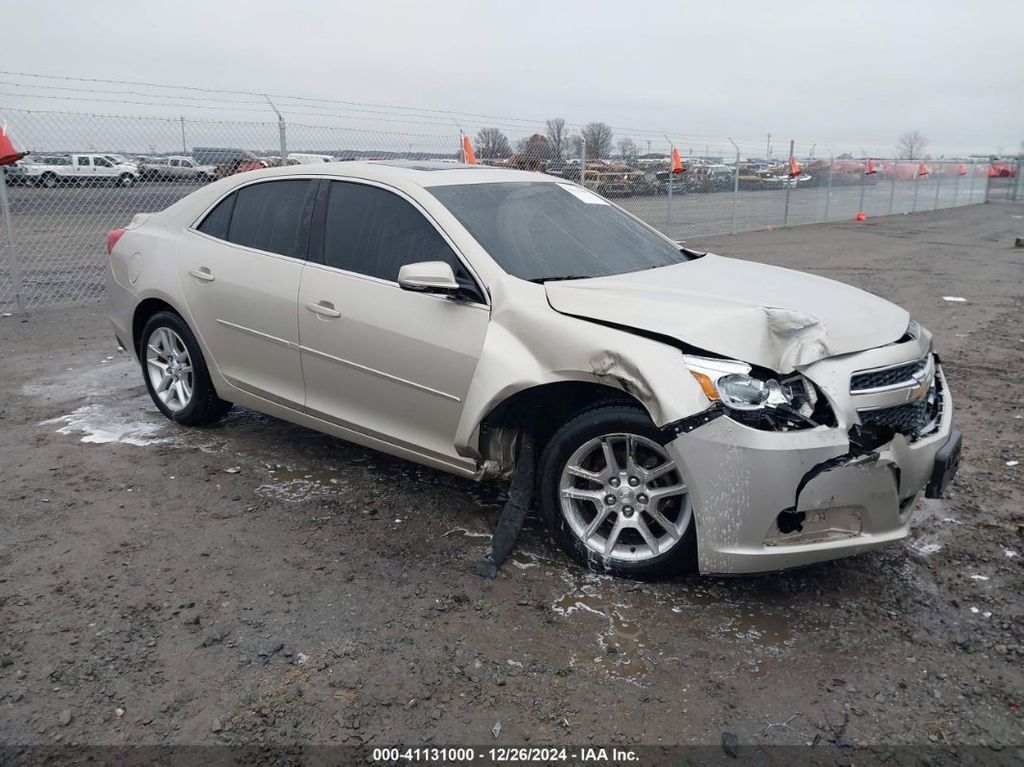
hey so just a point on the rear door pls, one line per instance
(388, 362)
(240, 271)
(83, 170)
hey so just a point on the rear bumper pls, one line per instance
(834, 502)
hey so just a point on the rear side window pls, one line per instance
(371, 231)
(272, 216)
(218, 220)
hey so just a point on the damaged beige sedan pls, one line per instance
(686, 410)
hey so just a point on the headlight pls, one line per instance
(734, 385)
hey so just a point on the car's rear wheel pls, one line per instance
(176, 374)
(48, 180)
(125, 179)
(613, 497)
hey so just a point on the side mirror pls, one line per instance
(428, 277)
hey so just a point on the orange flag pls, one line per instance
(963, 169)
(922, 170)
(677, 161)
(871, 167)
(794, 167)
(8, 154)
(467, 151)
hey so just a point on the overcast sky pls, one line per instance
(841, 75)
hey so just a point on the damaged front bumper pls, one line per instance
(769, 500)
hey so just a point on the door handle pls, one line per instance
(202, 273)
(324, 309)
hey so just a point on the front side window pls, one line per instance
(375, 232)
(175, 163)
(545, 231)
(83, 161)
(102, 163)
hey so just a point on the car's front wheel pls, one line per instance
(613, 497)
(176, 374)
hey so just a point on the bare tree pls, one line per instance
(491, 144)
(628, 149)
(597, 138)
(534, 152)
(911, 145)
(574, 145)
(556, 136)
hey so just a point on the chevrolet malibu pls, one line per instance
(689, 411)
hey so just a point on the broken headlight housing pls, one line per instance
(760, 399)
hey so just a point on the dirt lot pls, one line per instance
(259, 583)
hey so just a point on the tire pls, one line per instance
(570, 518)
(125, 179)
(164, 338)
(48, 181)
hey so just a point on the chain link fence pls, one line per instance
(87, 174)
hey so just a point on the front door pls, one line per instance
(388, 362)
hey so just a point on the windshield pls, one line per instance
(544, 231)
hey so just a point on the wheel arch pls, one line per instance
(145, 309)
(540, 409)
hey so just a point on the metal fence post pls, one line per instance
(863, 178)
(12, 255)
(281, 131)
(668, 207)
(583, 162)
(956, 186)
(184, 146)
(938, 186)
(1017, 186)
(974, 172)
(917, 179)
(828, 193)
(735, 184)
(785, 215)
(892, 185)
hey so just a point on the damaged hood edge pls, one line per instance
(764, 315)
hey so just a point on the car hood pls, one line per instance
(764, 315)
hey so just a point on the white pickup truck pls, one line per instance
(79, 169)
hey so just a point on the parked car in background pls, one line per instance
(176, 168)
(688, 410)
(77, 170)
(298, 158)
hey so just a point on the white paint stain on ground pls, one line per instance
(979, 577)
(923, 547)
(100, 424)
(955, 299)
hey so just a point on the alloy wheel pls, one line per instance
(624, 498)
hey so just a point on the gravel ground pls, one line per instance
(258, 583)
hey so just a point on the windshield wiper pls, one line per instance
(542, 280)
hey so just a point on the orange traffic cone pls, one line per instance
(677, 162)
(861, 217)
(922, 169)
(8, 154)
(871, 167)
(794, 167)
(467, 151)
(963, 169)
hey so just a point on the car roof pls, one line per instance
(420, 173)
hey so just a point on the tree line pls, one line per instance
(594, 140)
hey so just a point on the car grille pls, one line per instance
(894, 376)
(912, 419)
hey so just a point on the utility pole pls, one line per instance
(768, 153)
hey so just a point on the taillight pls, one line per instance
(113, 237)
